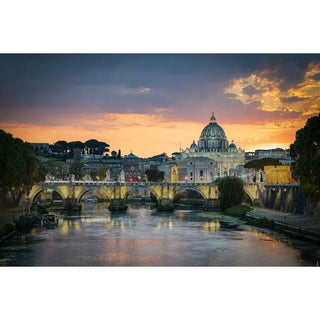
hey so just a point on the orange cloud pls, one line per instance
(303, 98)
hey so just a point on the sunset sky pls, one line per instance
(151, 103)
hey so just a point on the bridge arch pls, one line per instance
(35, 193)
(82, 193)
(189, 188)
(132, 189)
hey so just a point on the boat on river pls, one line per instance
(90, 200)
(49, 220)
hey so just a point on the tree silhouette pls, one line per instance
(305, 152)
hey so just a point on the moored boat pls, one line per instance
(49, 220)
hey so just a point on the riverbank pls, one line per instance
(10, 215)
(308, 223)
(295, 226)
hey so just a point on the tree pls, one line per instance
(230, 192)
(76, 169)
(114, 154)
(259, 164)
(60, 146)
(119, 154)
(54, 168)
(75, 144)
(93, 175)
(305, 152)
(102, 173)
(96, 147)
(19, 167)
(154, 175)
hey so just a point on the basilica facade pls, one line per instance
(212, 157)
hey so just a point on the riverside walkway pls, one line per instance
(308, 223)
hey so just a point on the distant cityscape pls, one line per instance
(211, 158)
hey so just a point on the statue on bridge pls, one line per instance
(121, 177)
(108, 176)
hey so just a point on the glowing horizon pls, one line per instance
(172, 135)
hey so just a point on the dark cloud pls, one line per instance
(230, 95)
(291, 99)
(316, 77)
(47, 88)
(250, 90)
(288, 70)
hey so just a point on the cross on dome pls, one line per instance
(213, 118)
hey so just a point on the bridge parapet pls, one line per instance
(163, 192)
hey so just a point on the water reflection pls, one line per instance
(165, 224)
(147, 238)
(211, 226)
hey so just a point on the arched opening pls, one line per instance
(189, 197)
(91, 199)
(141, 195)
(88, 196)
(247, 200)
(47, 197)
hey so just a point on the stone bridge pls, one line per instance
(117, 192)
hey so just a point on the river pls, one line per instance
(143, 237)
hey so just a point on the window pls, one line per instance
(201, 173)
(190, 162)
(190, 174)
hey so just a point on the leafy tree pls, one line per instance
(102, 173)
(154, 175)
(305, 152)
(19, 167)
(259, 164)
(76, 169)
(75, 144)
(60, 146)
(231, 192)
(114, 154)
(54, 168)
(96, 147)
(93, 175)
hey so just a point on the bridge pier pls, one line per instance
(210, 204)
(71, 204)
(117, 205)
(165, 205)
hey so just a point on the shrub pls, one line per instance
(231, 192)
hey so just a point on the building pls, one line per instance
(132, 167)
(276, 153)
(41, 147)
(196, 170)
(278, 175)
(249, 176)
(170, 171)
(211, 158)
(77, 154)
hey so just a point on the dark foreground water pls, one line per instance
(143, 237)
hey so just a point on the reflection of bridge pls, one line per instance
(117, 193)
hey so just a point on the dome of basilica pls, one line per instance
(193, 145)
(232, 145)
(212, 137)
